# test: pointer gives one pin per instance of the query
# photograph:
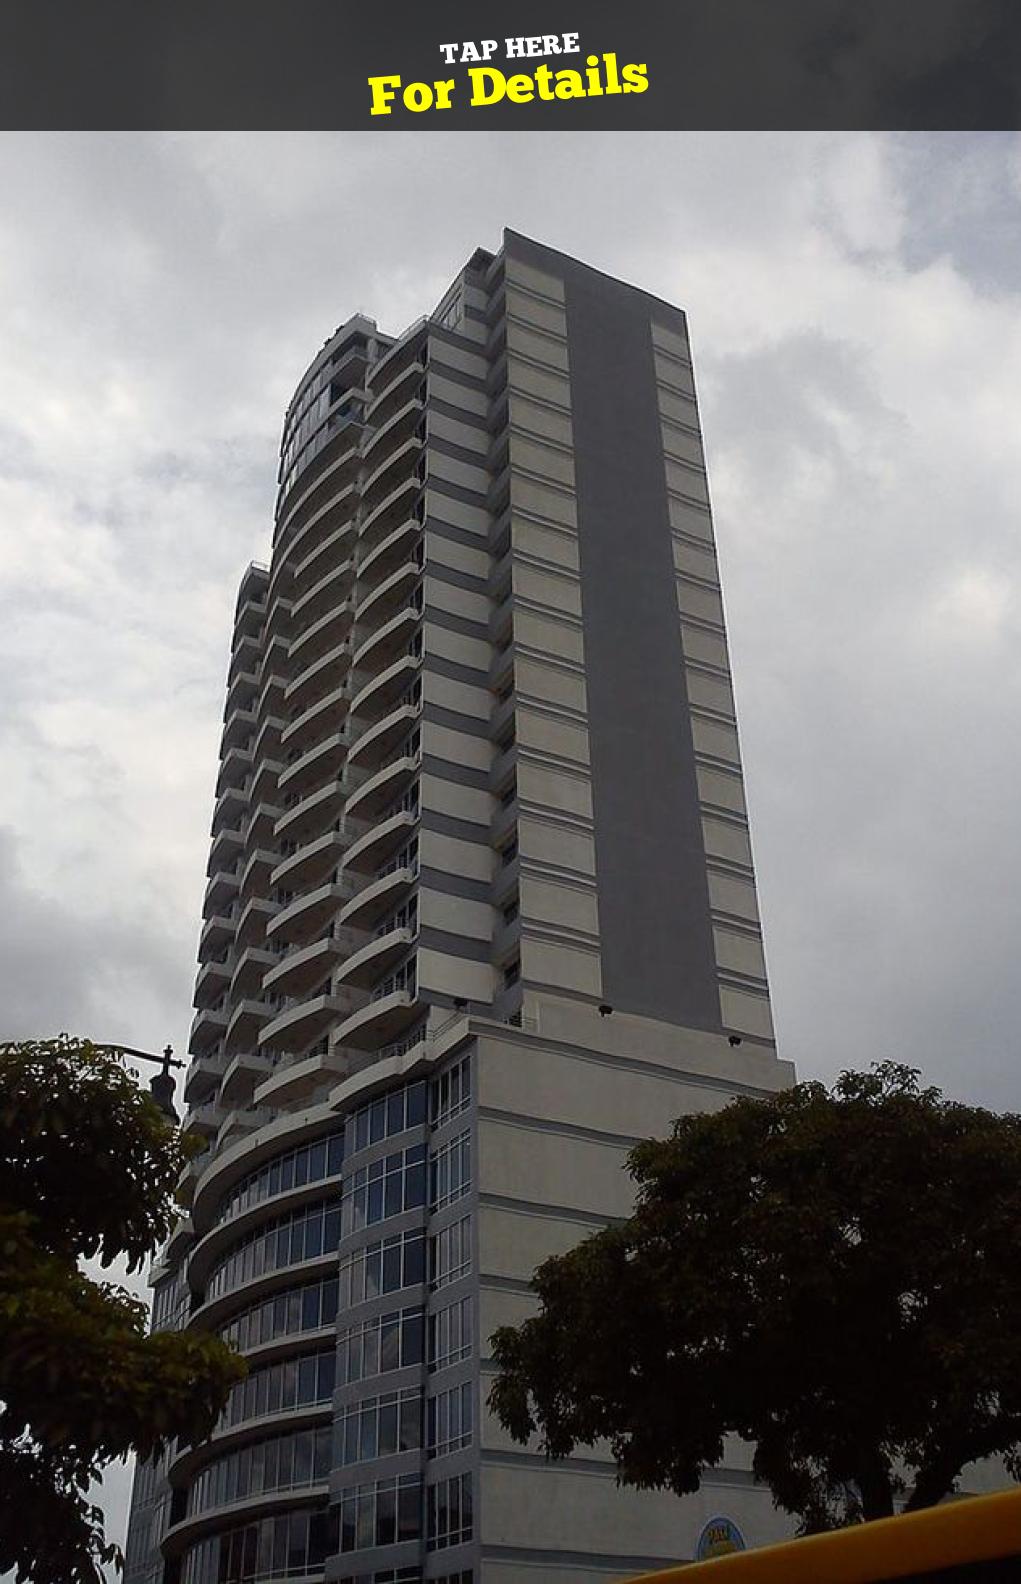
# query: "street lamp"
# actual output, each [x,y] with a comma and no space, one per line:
[161,1085]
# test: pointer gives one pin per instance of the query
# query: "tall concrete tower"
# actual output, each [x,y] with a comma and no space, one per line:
[481,913]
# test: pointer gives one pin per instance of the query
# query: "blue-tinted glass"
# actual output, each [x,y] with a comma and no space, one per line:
[414,1261]
[377,1121]
[390,1348]
[395,1113]
[408,1504]
[414,1186]
[386,1515]
[416,1104]
[412,1350]
[297,1541]
[392,1268]
[387,1428]
[307,1380]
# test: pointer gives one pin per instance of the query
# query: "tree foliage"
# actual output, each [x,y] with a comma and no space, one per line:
[833,1276]
[88,1166]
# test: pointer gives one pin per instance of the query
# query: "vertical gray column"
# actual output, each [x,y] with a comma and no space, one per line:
[656,938]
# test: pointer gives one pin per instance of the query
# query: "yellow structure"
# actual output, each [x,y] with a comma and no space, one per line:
[969,1534]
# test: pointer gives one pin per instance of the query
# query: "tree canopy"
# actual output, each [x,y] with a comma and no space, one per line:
[88,1167]
[834,1276]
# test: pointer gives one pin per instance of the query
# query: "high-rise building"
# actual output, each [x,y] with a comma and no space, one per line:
[480,914]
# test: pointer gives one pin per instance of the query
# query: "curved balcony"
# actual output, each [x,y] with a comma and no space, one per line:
[387,598]
[217,934]
[186,1461]
[308,915]
[306,1020]
[221,889]
[396,427]
[385,645]
[229,809]
[313,815]
[255,874]
[300,970]
[335,460]
[312,862]
[225,850]
[271,695]
[253,921]
[375,846]
[238,727]
[252,964]
[203,1077]
[390,472]
[396,549]
[235,765]
[267,738]
[196,1527]
[212,981]
[262,821]
[380,692]
[384,787]
[278,618]
[316,765]
[378,743]
[244,656]
[366,967]
[337,548]
[337,497]
[249,617]
[321,637]
[191,1174]
[296,1082]
[242,693]
[409,350]
[239,1123]
[274,657]
[204,1119]
[388,514]
[330,710]
[380,1020]
[208,1027]
[264,781]
[395,391]
[379,897]
[241,1075]
[246,1021]
[325,671]
[330,590]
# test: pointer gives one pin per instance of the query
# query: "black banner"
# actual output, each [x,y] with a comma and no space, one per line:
[565,64]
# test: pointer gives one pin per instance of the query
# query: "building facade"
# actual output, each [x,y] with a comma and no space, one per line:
[480,914]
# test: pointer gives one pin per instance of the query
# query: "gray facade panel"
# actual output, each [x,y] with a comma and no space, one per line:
[655,926]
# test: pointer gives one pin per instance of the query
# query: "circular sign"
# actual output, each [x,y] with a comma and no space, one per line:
[719,1537]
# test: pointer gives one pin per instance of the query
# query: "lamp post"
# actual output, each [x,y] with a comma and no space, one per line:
[161,1085]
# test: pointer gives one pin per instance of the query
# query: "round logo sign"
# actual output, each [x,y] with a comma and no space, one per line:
[719,1537]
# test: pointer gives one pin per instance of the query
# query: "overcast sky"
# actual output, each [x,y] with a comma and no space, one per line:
[856,324]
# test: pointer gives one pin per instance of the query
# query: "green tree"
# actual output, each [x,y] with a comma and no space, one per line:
[88,1167]
[833,1276]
